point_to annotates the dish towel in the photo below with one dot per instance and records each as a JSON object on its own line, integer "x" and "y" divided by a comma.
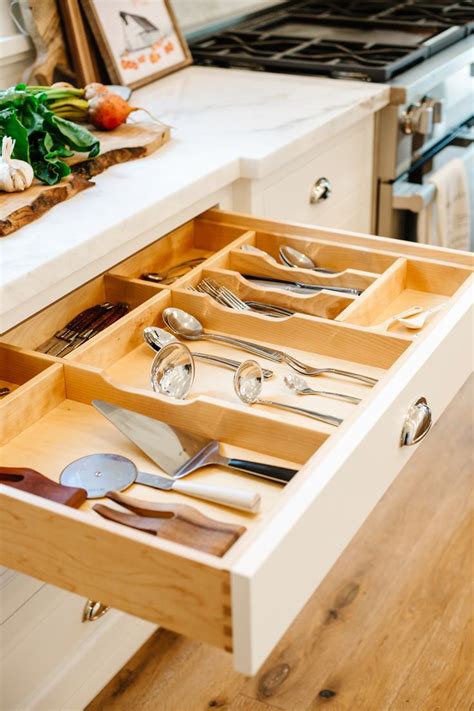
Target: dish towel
{"x": 446, "y": 222}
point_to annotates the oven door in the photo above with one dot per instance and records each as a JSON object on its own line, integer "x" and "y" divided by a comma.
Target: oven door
{"x": 403, "y": 202}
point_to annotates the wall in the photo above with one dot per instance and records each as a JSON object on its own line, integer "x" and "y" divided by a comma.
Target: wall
{"x": 195, "y": 14}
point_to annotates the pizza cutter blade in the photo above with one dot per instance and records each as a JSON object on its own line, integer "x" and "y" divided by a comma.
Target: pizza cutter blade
{"x": 100, "y": 473}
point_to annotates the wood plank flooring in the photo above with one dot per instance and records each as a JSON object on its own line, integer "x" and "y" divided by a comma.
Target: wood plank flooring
{"x": 390, "y": 627}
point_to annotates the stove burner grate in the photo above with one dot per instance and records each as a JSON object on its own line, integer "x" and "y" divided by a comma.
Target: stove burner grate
{"x": 368, "y": 39}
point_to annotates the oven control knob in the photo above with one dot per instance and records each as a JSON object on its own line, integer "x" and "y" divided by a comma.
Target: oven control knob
{"x": 418, "y": 118}
{"x": 436, "y": 105}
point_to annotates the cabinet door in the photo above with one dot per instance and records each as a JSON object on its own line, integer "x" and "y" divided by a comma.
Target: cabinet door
{"x": 346, "y": 163}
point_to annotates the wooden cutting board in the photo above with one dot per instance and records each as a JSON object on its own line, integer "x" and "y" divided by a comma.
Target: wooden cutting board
{"x": 128, "y": 142}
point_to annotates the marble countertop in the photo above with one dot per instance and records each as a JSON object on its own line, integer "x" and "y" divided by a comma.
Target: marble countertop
{"x": 227, "y": 124}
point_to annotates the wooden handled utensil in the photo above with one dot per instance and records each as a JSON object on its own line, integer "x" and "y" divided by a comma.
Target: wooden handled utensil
{"x": 36, "y": 483}
{"x": 176, "y": 522}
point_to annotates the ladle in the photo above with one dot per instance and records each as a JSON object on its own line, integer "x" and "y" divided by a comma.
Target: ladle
{"x": 172, "y": 371}
{"x": 248, "y": 382}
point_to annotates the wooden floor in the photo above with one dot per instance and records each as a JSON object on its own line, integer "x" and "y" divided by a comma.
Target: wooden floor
{"x": 389, "y": 627}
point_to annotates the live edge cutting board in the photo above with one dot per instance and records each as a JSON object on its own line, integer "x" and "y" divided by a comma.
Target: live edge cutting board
{"x": 129, "y": 141}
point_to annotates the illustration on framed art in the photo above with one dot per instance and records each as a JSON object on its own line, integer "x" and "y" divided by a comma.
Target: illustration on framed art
{"x": 139, "y": 39}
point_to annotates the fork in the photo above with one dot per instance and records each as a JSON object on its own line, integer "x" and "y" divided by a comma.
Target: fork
{"x": 226, "y": 297}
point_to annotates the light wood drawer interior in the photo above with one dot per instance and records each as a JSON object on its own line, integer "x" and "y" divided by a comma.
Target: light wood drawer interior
{"x": 48, "y": 420}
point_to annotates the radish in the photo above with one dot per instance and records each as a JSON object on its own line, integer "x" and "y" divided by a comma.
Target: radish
{"x": 94, "y": 89}
{"x": 107, "y": 111}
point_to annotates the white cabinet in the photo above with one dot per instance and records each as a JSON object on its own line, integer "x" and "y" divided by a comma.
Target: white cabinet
{"x": 345, "y": 161}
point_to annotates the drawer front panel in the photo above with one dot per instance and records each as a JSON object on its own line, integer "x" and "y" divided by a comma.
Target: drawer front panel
{"x": 347, "y": 164}
{"x": 273, "y": 581}
{"x": 71, "y": 651}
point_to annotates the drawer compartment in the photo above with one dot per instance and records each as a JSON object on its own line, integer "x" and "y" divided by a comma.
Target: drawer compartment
{"x": 39, "y": 329}
{"x": 197, "y": 239}
{"x": 244, "y": 600}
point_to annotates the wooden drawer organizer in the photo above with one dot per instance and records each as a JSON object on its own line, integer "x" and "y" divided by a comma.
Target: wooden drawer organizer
{"x": 245, "y": 600}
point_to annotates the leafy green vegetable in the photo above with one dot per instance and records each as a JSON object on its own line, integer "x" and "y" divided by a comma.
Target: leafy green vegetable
{"x": 42, "y": 138}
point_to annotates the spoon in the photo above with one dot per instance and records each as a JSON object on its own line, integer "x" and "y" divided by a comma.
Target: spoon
{"x": 419, "y": 321}
{"x": 189, "y": 327}
{"x": 255, "y": 250}
{"x": 248, "y": 385}
{"x": 300, "y": 386}
{"x": 173, "y": 272}
{"x": 385, "y": 325}
{"x": 156, "y": 338}
{"x": 296, "y": 259}
{"x": 172, "y": 371}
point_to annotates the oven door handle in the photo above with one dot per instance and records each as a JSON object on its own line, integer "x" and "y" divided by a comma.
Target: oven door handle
{"x": 414, "y": 196}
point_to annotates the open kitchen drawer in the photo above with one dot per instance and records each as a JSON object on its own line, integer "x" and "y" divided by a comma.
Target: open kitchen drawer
{"x": 244, "y": 601}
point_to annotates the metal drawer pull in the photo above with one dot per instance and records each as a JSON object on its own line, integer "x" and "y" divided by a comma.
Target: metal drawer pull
{"x": 321, "y": 190}
{"x": 93, "y": 611}
{"x": 417, "y": 423}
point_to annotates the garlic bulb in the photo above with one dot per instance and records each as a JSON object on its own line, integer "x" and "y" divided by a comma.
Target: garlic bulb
{"x": 15, "y": 175}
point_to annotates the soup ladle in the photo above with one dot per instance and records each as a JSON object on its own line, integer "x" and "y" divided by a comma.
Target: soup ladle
{"x": 248, "y": 382}
{"x": 172, "y": 371}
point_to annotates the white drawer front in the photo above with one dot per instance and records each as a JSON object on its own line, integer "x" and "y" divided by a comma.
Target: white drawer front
{"x": 15, "y": 590}
{"x": 275, "y": 578}
{"x": 346, "y": 161}
{"x": 50, "y": 655}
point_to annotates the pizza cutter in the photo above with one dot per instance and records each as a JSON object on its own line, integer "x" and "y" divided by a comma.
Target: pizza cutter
{"x": 100, "y": 473}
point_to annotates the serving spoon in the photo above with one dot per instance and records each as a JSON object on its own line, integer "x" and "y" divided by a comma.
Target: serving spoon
{"x": 300, "y": 386}
{"x": 294, "y": 258}
{"x": 189, "y": 327}
{"x": 248, "y": 381}
{"x": 157, "y": 338}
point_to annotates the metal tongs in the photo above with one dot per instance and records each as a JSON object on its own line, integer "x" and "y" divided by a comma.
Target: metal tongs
{"x": 176, "y": 522}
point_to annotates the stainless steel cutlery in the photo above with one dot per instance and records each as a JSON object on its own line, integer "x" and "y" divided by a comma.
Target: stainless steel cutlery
{"x": 174, "y": 272}
{"x": 248, "y": 382}
{"x": 83, "y": 327}
{"x": 156, "y": 338}
{"x": 300, "y": 386}
{"x": 298, "y": 287}
{"x": 226, "y": 297}
{"x": 179, "y": 452}
{"x": 189, "y": 327}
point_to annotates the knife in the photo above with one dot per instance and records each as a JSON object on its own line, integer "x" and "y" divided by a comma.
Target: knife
{"x": 299, "y": 286}
{"x": 178, "y": 452}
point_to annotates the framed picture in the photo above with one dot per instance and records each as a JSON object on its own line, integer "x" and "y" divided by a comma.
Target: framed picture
{"x": 140, "y": 40}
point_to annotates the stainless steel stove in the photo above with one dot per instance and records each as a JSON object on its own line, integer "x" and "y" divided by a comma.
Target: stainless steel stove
{"x": 370, "y": 40}
{"x": 423, "y": 48}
